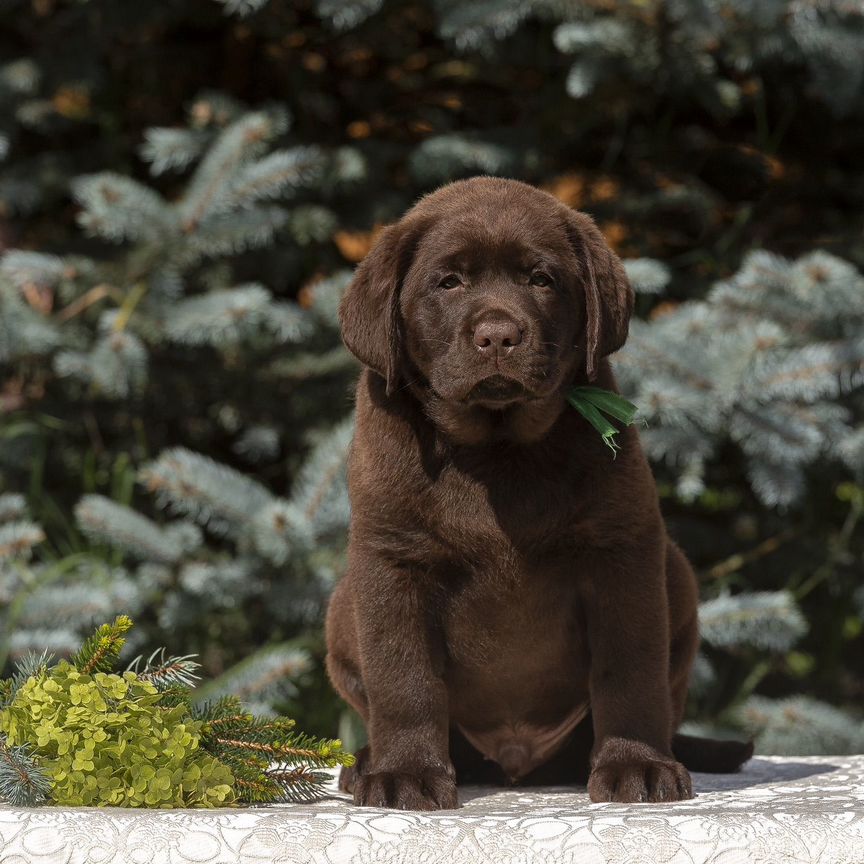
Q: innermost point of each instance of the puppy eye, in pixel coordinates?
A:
(451, 281)
(541, 280)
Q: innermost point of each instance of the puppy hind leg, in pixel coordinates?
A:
(696, 754)
(344, 671)
(681, 654)
(348, 684)
(683, 627)
(342, 662)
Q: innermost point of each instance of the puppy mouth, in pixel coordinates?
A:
(498, 390)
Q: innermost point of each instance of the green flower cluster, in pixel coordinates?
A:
(79, 733)
(105, 739)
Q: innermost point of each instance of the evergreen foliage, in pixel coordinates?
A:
(763, 619)
(179, 218)
(764, 361)
(79, 734)
(801, 725)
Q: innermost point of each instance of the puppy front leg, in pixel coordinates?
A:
(628, 635)
(401, 656)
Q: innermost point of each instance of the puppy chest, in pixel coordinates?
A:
(508, 523)
(512, 622)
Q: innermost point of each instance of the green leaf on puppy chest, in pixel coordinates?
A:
(595, 402)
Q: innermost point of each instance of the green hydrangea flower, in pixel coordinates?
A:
(104, 739)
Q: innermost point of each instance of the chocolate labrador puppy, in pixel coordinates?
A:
(513, 608)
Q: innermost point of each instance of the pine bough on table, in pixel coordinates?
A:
(80, 733)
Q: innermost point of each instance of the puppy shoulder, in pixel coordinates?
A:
(625, 502)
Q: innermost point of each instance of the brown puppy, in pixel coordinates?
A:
(513, 606)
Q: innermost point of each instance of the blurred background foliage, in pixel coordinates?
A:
(185, 186)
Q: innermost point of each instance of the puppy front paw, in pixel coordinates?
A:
(639, 780)
(430, 789)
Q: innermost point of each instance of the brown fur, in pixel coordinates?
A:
(513, 607)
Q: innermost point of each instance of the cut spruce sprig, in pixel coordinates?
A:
(81, 733)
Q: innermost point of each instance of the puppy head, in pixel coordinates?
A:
(488, 300)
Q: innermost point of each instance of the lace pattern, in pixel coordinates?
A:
(797, 809)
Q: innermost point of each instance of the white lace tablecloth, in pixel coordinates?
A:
(776, 810)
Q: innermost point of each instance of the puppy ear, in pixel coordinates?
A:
(369, 310)
(608, 294)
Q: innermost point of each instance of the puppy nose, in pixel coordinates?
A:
(494, 335)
